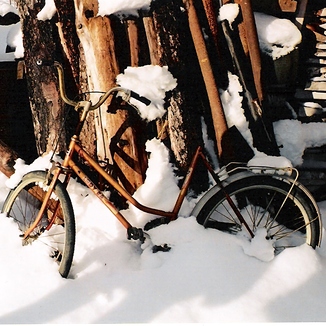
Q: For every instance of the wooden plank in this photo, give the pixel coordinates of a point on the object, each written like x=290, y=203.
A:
x=308, y=95
x=133, y=42
x=316, y=71
x=321, y=46
x=321, y=12
x=316, y=61
x=300, y=14
x=320, y=54
x=316, y=86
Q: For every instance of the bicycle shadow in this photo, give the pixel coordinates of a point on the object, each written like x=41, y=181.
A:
x=206, y=268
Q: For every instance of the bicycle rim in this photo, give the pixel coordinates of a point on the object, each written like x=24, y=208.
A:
x=289, y=219
x=22, y=205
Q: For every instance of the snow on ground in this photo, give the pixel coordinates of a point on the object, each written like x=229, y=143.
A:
x=207, y=276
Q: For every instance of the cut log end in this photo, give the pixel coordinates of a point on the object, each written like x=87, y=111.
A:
x=7, y=159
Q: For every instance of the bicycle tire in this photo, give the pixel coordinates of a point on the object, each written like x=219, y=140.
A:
x=260, y=199
x=22, y=205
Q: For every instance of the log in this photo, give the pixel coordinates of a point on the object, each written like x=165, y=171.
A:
x=45, y=102
x=133, y=42
x=219, y=120
x=253, y=45
x=8, y=157
x=117, y=141
x=154, y=49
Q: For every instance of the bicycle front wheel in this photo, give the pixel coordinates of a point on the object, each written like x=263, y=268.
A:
x=22, y=205
x=290, y=218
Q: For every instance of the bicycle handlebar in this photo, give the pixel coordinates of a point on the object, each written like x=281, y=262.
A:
x=126, y=93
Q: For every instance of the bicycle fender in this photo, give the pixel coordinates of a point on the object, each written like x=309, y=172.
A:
x=212, y=191
x=245, y=174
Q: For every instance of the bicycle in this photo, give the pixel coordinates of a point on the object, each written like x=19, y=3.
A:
x=242, y=200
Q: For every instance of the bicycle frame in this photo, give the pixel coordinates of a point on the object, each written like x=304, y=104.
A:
x=68, y=166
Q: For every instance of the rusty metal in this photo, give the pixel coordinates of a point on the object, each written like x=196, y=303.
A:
x=219, y=120
x=43, y=206
x=253, y=45
x=235, y=209
x=77, y=148
x=212, y=21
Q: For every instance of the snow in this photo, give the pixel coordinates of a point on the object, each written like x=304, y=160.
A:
x=207, y=276
x=6, y=7
x=232, y=106
x=122, y=7
x=277, y=37
x=48, y=11
x=150, y=193
x=15, y=40
x=151, y=82
x=295, y=137
x=4, y=30
x=229, y=11
x=10, y=35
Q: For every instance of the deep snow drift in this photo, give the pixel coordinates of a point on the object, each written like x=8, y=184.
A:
x=207, y=276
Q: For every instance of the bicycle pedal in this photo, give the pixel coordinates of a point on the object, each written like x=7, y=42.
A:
x=156, y=222
x=135, y=234
x=164, y=248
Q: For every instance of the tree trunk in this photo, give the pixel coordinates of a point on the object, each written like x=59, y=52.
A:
x=114, y=131
x=76, y=78
x=7, y=159
x=39, y=38
x=184, y=114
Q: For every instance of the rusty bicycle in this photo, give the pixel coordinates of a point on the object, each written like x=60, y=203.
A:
x=243, y=199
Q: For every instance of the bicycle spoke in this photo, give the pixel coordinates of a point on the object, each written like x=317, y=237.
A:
x=283, y=209
x=23, y=208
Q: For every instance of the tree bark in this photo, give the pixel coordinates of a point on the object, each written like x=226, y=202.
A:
x=184, y=113
x=7, y=159
x=114, y=131
x=75, y=67
x=39, y=39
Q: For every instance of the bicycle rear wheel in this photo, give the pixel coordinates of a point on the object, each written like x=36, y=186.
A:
x=22, y=205
x=290, y=219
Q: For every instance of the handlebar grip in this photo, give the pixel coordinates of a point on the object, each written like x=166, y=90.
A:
x=139, y=98
x=41, y=62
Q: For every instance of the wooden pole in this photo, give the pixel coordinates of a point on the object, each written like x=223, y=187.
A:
x=154, y=49
x=133, y=42
x=212, y=22
x=155, y=52
x=253, y=45
x=219, y=120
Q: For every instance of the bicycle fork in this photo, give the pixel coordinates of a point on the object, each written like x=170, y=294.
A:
x=44, y=206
